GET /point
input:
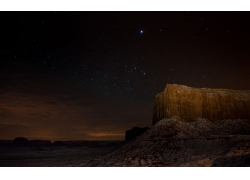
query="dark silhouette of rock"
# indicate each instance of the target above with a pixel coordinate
(40, 142)
(134, 132)
(191, 103)
(21, 141)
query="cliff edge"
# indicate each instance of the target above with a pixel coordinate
(191, 103)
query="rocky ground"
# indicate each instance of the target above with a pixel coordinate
(173, 142)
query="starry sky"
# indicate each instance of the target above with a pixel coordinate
(94, 75)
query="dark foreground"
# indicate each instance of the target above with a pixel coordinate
(52, 156)
(170, 142)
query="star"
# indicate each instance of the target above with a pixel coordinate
(141, 31)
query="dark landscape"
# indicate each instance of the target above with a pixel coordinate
(125, 89)
(38, 153)
(191, 127)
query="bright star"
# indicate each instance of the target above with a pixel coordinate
(141, 31)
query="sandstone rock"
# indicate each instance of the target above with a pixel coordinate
(134, 132)
(191, 103)
(173, 142)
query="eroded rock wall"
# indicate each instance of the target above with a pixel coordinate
(191, 103)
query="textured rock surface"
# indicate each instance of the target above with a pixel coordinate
(134, 132)
(191, 103)
(174, 142)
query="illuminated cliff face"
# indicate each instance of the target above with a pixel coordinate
(191, 103)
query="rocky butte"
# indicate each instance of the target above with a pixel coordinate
(191, 127)
(191, 103)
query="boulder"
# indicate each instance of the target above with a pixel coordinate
(191, 103)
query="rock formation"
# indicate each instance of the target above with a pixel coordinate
(40, 143)
(191, 127)
(134, 132)
(21, 141)
(191, 103)
(174, 142)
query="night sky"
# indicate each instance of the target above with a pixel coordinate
(94, 75)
